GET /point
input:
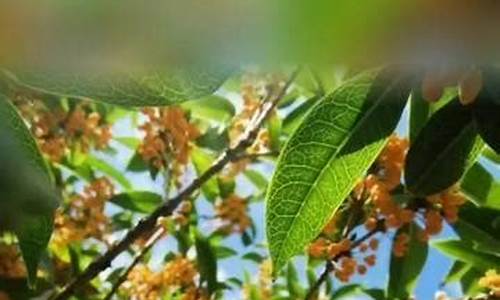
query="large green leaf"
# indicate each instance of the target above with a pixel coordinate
(28, 196)
(151, 89)
(333, 147)
(440, 154)
(465, 252)
(404, 271)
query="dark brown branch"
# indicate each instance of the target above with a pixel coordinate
(149, 223)
(254, 156)
(155, 237)
(329, 267)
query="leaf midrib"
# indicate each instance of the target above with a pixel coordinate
(334, 154)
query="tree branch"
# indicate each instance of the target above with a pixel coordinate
(329, 267)
(155, 237)
(146, 225)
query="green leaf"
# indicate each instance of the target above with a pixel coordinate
(465, 252)
(207, 262)
(153, 89)
(143, 202)
(481, 227)
(404, 271)
(293, 284)
(137, 164)
(486, 109)
(346, 291)
(491, 155)
(457, 271)
(253, 256)
(256, 178)
(439, 156)
(480, 186)
(274, 126)
(333, 147)
(224, 252)
(202, 161)
(28, 195)
(419, 113)
(104, 167)
(212, 108)
(130, 142)
(470, 282)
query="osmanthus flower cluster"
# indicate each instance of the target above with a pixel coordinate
(177, 277)
(232, 212)
(491, 281)
(168, 135)
(84, 216)
(59, 130)
(376, 199)
(11, 264)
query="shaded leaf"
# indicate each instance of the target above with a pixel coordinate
(439, 156)
(333, 147)
(486, 108)
(153, 89)
(28, 195)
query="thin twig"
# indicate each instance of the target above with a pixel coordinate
(329, 267)
(147, 224)
(254, 156)
(155, 237)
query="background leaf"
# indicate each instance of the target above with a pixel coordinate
(404, 271)
(28, 196)
(152, 89)
(207, 262)
(464, 251)
(332, 148)
(143, 202)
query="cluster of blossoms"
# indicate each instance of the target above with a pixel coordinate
(252, 97)
(491, 281)
(167, 138)
(468, 80)
(375, 193)
(233, 214)
(84, 217)
(326, 248)
(56, 130)
(177, 275)
(11, 263)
